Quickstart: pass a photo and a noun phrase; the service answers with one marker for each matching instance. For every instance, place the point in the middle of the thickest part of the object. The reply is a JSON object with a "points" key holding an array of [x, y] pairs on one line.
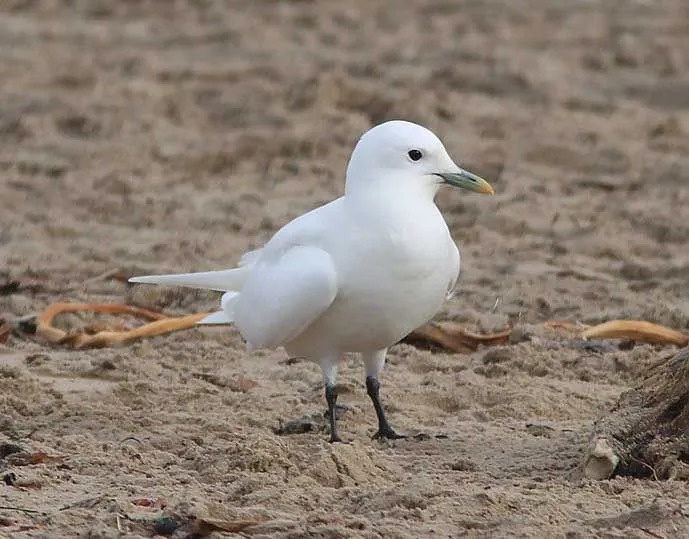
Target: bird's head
{"points": [[403, 156]]}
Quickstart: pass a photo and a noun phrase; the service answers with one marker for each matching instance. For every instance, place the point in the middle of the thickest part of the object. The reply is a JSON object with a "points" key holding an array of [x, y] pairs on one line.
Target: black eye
{"points": [[415, 155]]}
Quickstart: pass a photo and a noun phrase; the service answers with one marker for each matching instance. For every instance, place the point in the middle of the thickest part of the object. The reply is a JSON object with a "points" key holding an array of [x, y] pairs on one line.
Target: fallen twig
{"points": [[86, 502], [28, 511]]}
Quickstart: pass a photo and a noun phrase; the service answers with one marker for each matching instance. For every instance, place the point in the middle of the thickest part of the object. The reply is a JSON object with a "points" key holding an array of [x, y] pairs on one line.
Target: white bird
{"points": [[357, 274]]}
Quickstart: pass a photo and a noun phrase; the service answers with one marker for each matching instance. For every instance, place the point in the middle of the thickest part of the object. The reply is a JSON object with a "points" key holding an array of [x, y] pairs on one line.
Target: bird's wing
{"points": [[284, 294], [453, 269], [250, 257], [225, 315]]}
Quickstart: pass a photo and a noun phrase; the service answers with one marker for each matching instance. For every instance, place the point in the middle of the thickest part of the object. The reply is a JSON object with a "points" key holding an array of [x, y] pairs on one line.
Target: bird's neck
{"points": [[392, 190], [390, 201]]}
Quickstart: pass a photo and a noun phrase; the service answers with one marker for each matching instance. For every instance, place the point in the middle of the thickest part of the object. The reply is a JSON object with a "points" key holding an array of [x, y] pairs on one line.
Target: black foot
{"points": [[388, 433], [384, 428], [335, 438]]}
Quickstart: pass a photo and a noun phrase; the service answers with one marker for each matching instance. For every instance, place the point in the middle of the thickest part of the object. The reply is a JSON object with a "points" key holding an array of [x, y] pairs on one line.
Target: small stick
{"points": [[86, 502], [29, 511], [131, 439]]}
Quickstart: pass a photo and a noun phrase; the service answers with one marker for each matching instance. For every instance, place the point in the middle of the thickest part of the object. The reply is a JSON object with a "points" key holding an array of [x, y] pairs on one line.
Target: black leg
{"points": [[331, 399], [384, 428]]}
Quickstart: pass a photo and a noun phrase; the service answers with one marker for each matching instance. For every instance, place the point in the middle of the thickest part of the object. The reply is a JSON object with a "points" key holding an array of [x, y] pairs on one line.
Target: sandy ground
{"points": [[156, 139]]}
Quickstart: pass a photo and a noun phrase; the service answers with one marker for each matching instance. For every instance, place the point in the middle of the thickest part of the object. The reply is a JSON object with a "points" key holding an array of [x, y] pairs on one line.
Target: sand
{"points": [[156, 139]]}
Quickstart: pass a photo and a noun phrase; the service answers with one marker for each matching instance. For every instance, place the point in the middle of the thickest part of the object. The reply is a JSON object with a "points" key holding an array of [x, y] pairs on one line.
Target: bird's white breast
{"points": [[393, 272]]}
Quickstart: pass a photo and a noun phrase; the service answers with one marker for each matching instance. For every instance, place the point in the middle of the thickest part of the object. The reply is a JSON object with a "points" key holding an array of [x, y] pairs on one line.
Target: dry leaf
{"points": [[97, 327], [637, 331], [109, 335], [455, 339]]}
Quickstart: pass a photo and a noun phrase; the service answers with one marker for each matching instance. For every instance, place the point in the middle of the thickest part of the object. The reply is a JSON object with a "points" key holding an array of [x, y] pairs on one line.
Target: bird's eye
{"points": [[415, 155]]}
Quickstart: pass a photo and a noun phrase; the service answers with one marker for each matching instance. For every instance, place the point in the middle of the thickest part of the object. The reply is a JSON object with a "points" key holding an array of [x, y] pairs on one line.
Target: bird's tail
{"points": [[229, 281], [222, 281], [226, 315]]}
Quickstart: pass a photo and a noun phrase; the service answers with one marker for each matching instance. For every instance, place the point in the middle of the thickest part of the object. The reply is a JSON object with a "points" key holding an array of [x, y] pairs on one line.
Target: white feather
{"points": [[283, 296], [218, 317], [226, 316], [222, 281]]}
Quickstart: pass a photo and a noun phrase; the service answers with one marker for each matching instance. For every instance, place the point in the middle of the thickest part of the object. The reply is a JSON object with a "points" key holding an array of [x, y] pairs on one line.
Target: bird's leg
{"points": [[331, 399], [329, 376], [374, 363]]}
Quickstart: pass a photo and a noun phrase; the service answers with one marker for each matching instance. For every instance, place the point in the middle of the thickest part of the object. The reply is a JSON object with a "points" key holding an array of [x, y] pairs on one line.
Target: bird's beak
{"points": [[466, 180]]}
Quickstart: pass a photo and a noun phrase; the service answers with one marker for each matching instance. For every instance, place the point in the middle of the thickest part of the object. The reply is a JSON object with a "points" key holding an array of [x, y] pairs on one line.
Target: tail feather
{"points": [[222, 281], [226, 316], [218, 317]]}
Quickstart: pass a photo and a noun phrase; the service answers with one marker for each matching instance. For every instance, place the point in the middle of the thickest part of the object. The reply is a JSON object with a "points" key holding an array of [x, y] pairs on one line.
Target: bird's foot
{"points": [[335, 438], [388, 433]]}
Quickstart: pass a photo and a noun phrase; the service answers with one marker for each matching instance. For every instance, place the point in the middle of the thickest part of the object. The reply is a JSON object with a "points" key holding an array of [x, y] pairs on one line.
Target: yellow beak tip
{"points": [[487, 190]]}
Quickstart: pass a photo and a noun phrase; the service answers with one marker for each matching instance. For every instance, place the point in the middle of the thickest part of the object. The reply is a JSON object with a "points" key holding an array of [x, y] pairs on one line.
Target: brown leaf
{"points": [[107, 336], [455, 339], [205, 525], [6, 522], [97, 327], [637, 331]]}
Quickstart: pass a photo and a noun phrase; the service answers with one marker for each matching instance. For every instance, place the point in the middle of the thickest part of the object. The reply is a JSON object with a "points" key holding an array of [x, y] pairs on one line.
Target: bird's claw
{"points": [[388, 433]]}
